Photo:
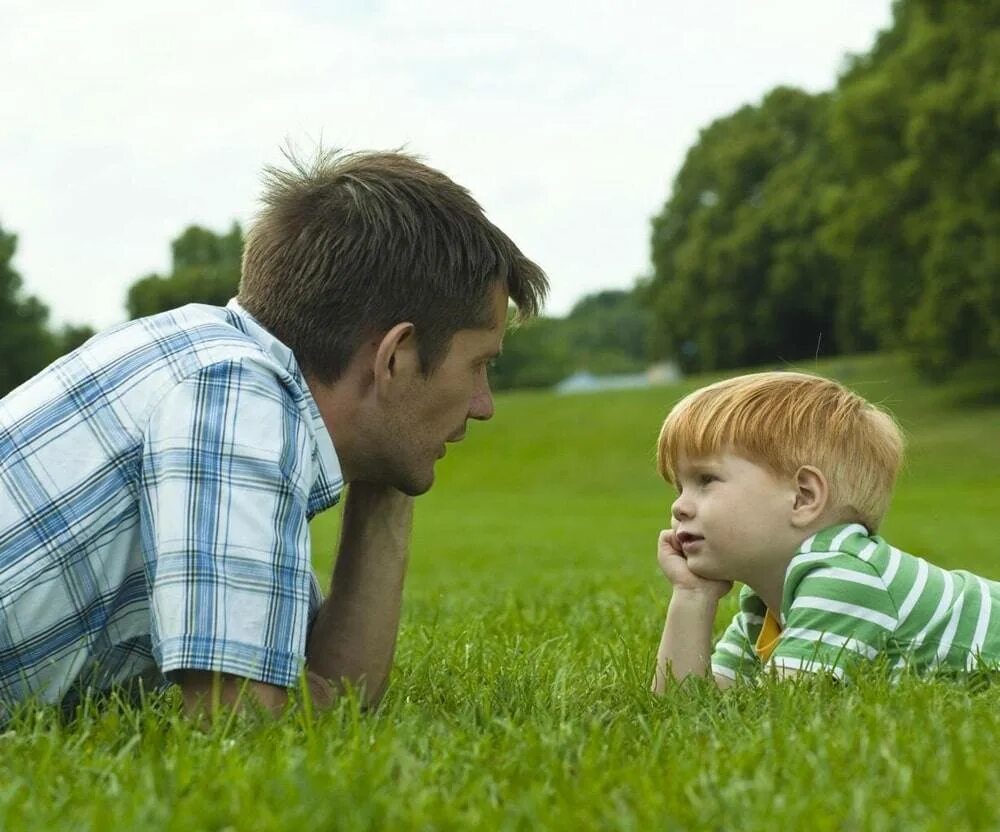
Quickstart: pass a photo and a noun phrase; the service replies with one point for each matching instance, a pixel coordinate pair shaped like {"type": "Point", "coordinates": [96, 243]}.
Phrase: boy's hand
{"type": "Point", "coordinates": [675, 567]}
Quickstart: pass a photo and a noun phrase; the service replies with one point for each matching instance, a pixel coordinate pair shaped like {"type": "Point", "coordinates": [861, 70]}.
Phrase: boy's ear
{"type": "Point", "coordinates": [396, 357]}
{"type": "Point", "coordinates": [812, 493]}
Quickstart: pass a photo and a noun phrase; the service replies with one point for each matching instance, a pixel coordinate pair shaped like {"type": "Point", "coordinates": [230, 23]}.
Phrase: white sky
{"type": "Point", "coordinates": [123, 122]}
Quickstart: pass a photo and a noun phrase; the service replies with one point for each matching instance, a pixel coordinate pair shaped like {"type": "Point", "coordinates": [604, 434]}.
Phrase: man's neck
{"type": "Point", "coordinates": [339, 411]}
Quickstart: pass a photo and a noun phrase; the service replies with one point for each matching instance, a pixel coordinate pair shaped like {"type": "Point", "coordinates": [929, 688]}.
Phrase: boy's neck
{"type": "Point", "coordinates": [769, 583]}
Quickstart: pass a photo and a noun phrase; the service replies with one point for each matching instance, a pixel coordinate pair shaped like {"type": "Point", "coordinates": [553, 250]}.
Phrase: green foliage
{"type": "Point", "coordinates": [520, 697]}
{"type": "Point", "coordinates": [869, 216]}
{"type": "Point", "coordinates": [205, 269]}
{"type": "Point", "coordinates": [916, 128]}
{"type": "Point", "coordinates": [70, 337]}
{"type": "Point", "coordinates": [608, 332]}
{"type": "Point", "coordinates": [535, 354]}
{"type": "Point", "coordinates": [605, 332]}
{"type": "Point", "coordinates": [25, 343]}
{"type": "Point", "coordinates": [739, 276]}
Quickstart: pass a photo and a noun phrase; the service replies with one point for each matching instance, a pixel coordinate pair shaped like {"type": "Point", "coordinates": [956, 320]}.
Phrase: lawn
{"type": "Point", "coordinates": [519, 699]}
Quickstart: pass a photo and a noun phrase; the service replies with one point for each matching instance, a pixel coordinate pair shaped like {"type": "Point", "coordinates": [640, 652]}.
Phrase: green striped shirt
{"type": "Point", "coordinates": [850, 598]}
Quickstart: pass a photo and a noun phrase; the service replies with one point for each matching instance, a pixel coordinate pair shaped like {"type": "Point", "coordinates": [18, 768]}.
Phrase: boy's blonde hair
{"type": "Point", "coordinates": [785, 420]}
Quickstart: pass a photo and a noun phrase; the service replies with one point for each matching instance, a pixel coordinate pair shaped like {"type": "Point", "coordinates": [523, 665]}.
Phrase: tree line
{"type": "Point", "coordinates": [864, 217]}
{"type": "Point", "coordinates": [27, 342]}
{"type": "Point", "coordinates": [606, 332]}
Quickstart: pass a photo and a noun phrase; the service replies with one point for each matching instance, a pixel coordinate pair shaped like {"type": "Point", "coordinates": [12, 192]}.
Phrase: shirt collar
{"type": "Point", "coordinates": [329, 482]}
{"type": "Point", "coordinates": [836, 534]}
{"type": "Point", "coordinates": [265, 340]}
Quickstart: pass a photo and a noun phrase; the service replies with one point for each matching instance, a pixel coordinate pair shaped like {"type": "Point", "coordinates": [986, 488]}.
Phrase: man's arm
{"type": "Point", "coordinates": [353, 638]}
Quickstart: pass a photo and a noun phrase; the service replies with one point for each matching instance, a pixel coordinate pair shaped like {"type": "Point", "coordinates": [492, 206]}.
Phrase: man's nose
{"type": "Point", "coordinates": [481, 407]}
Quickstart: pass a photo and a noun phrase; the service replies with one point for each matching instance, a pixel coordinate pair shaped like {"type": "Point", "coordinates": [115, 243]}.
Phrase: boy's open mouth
{"type": "Point", "coordinates": [686, 538]}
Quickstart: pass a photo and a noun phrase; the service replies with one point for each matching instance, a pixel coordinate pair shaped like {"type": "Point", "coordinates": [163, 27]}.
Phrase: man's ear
{"type": "Point", "coordinates": [396, 356]}
{"type": "Point", "coordinates": [812, 493]}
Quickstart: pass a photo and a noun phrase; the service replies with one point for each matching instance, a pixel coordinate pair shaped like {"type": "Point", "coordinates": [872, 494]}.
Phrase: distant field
{"type": "Point", "coordinates": [563, 486]}
{"type": "Point", "coordinates": [520, 697]}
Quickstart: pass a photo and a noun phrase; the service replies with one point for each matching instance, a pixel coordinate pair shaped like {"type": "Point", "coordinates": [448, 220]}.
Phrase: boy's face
{"type": "Point", "coordinates": [732, 518]}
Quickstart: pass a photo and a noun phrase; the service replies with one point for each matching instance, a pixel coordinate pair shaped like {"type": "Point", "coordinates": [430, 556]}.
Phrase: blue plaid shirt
{"type": "Point", "coordinates": [155, 490]}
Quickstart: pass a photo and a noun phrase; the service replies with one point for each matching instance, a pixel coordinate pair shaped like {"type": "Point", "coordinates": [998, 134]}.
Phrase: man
{"type": "Point", "coordinates": [157, 482]}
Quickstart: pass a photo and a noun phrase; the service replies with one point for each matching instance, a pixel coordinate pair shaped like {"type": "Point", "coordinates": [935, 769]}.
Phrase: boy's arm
{"type": "Point", "coordinates": [686, 644]}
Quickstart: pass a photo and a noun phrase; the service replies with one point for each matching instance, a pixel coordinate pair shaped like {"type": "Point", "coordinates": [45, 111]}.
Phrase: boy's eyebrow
{"type": "Point", "coordinates": [700, 462]}
{"type": "Point", "coordinates": [693, 466]}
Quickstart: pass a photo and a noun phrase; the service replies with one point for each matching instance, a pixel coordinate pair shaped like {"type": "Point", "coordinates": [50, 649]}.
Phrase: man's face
{"type": "Point", "coordinates": [433, 411]}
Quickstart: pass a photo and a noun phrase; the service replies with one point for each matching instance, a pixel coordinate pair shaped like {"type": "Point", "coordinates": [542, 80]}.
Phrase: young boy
{"type": "Point", "coordinates": [783, 479]}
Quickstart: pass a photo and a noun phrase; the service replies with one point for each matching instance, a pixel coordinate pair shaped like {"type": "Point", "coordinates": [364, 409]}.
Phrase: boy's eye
{"type": "Point", "coordinates": [705, 479]}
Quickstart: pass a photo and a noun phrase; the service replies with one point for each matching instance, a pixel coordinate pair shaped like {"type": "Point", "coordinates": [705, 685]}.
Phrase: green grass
{"type": "Point", "coordinates": [519, 700]}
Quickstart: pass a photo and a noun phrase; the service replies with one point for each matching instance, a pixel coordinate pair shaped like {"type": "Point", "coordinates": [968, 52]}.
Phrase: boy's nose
{"type": "Point", "coordinates": [681, 509]}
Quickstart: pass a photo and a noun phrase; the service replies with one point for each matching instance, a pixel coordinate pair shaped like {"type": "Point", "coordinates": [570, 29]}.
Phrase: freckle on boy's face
{"type": "Point", "coordinates": [731, 516]}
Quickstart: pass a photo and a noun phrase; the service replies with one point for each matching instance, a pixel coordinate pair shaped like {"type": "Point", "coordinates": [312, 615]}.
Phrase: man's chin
{"type": "Point", "coordinates": [414, 486]}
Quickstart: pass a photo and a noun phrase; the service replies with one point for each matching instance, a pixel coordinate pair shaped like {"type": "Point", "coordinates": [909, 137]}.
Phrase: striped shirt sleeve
{"type": "Point", "coordinates": [733, 656]}
{"type": "Point", "coordinates": [223, 503]}
{"type": "Point", "coordinates": [837, 612]}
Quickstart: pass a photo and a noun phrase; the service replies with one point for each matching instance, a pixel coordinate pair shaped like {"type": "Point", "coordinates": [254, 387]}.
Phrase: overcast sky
{"type": "Point", "coordinates": [123, 122]}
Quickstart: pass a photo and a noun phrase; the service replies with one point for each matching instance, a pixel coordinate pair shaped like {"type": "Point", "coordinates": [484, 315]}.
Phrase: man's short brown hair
{"type": "Point", "coordinates": [350, 244]}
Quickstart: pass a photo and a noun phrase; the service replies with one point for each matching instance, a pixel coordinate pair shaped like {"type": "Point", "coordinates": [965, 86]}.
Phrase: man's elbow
{"type": "Point", "coordinates": [206, 692]}
{"type": "Point", "coordinates": [325, 692]}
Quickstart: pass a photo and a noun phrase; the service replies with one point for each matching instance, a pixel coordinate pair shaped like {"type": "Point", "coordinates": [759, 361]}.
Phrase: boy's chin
{"type": "Point", "coordinates": [706, 572]}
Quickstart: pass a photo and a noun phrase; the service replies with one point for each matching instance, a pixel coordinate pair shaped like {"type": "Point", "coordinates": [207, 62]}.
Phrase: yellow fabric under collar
{"type": "Point", "coordinates": [770, 635]}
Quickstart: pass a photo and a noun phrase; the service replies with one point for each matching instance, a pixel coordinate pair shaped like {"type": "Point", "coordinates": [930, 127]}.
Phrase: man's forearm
{"type": "Point", "coordinates": [354, 636]}
{"type": "Point", "coordinates": [686, 644]}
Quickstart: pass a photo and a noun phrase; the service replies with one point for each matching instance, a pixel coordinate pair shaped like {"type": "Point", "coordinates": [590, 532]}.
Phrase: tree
{"type": "Point", "coordinates": [916, 127]}
{"type": "Point", "coordinates": [70, 337]}
{"type": "Point", "coordinates": [605, 332]}
{"type": "Point", "coordinates": [608, 332]}
{"type": "Point", "coordinates": [535, 354]}
{"type": "Point", "coordinates": [25, 343]}
{"type": "Point", "coordinates": [738, 274]}
{"type": "Point", "coordinates": [205, 268]}
{"type": "Point", "coordinates": [865, 217]}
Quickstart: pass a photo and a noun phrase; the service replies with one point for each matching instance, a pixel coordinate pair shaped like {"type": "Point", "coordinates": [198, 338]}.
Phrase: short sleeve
{"type": "Point", "coordinates": [733, 656]}
{"type": "Point", "coordinates": [226, 470]}
{"type": "Point", "coordinates": [837, 613]}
